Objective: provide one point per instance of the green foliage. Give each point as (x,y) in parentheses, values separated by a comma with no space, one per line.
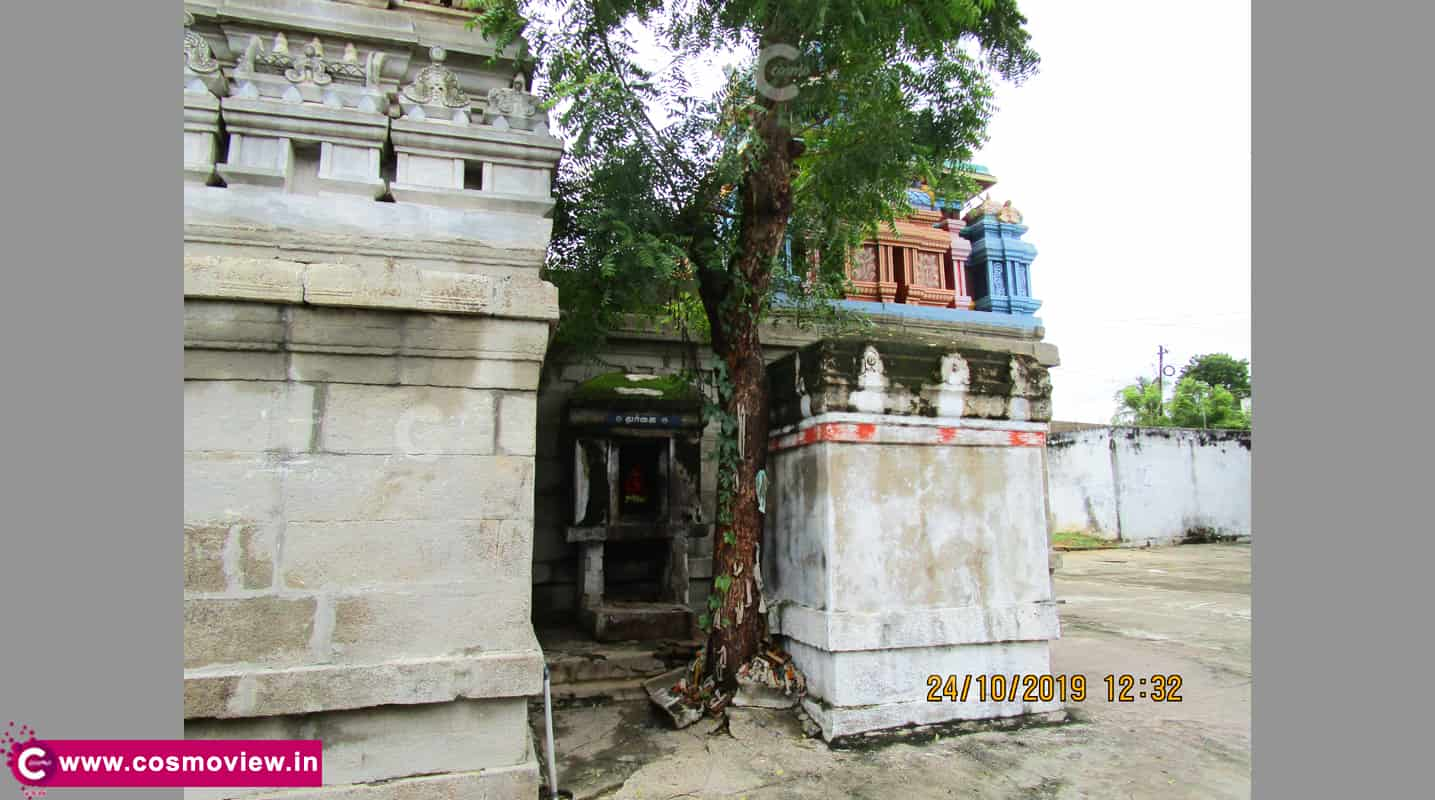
(881,93)
(1077,540)
(752,198)
(1219,369)
(1140,405)
(1193,404)
(1196,404)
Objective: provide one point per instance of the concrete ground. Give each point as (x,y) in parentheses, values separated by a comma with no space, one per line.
(1184,610)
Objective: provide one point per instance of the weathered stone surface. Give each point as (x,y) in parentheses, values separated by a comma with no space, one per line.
(354,331)
(336,488)
(234,278)
(517,420)
(247,692)
(248,416)
(334,368)
(918,627)
(481,373)
(465,239)
(407,420)
(452,336)
(224,324)
(407,553)
(390,742)
(377,626)
(237,365)
(660,691)
(268,630)
(877,677)
(1151,485)
(231,487)
(519,781)
(525,299)
(901,548)
(983,544)
(900,378)
(204,558)
(256,546)
(353,458)
(399,288)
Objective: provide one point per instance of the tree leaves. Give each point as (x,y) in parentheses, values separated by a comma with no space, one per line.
(888,93)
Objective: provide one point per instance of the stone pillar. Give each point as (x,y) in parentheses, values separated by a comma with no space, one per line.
(203,83)
(960,253)
(590,573)
(999,271)
(906,527)
(360,400)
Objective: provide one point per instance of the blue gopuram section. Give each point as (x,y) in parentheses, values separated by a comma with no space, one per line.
(999,270)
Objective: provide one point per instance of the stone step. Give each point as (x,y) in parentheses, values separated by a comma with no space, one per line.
(604,663)
(609,690)
(617,622)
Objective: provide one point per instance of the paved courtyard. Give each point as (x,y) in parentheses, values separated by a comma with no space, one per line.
(1176,610)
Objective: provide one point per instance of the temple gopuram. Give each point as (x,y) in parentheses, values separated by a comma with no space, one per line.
(940,257)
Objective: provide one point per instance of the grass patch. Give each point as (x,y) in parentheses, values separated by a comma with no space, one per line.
(1076,540)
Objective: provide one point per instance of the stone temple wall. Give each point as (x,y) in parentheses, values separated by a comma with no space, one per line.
(366,204)
(906,528)
(1143,486)
(646,349)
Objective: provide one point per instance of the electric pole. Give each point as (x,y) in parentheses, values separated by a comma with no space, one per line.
(1161,374)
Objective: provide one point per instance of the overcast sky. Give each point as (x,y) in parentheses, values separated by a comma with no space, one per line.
(1129,155)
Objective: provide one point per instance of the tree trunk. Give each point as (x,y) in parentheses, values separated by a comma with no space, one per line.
(734,303)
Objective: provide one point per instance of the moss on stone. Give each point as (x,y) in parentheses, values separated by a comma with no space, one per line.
(611,386)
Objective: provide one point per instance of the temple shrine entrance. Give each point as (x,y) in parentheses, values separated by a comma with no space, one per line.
(636,443)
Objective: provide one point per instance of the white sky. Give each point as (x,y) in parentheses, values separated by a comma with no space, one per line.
(1129,155)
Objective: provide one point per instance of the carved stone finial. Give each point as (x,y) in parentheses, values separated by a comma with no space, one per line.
(197,54)
(872,369)
(436,84)
(311,68)
(955,372)
(1004,212)
(1028,380)
(513,101)
(373,69)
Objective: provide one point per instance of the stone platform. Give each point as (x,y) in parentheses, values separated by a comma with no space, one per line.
(906,529)
(583,670)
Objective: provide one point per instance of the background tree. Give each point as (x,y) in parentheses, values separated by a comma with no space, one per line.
(664,195)
(1196,404)
(1193,404)
(1219,369)
(1140,404)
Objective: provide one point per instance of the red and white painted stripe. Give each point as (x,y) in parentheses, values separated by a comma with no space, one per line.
(980,433)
